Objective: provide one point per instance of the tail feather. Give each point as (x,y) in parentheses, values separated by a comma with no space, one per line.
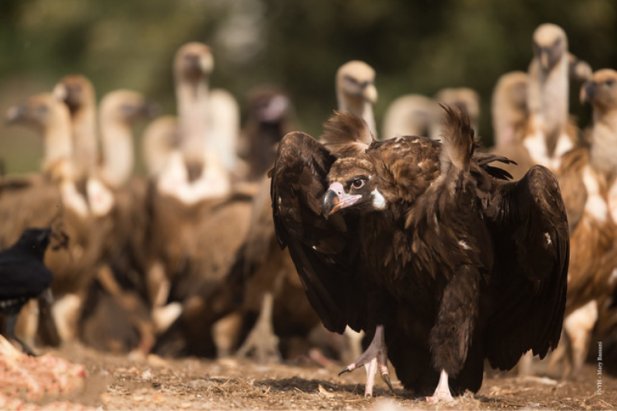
(458,139)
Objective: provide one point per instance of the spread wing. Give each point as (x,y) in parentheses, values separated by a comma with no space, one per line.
(321,249)
(529,226)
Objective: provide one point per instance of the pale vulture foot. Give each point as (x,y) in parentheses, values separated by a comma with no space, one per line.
(442,392)
(374,358)
(261,342)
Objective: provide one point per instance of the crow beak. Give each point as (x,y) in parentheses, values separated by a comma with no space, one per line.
(587,92)
(336,199)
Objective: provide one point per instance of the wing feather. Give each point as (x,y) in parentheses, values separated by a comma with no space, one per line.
(319,248)
(529,225)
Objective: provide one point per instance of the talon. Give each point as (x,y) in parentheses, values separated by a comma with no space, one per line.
(386,378)
(374,358)
(345,370)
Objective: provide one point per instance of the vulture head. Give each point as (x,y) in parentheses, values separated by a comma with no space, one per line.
(355,82)
(351,179)
(76,91)
(511,89)
(550,44)
(601,90)
(40,112)
(269,106)
(125,106)
(193,62)
(352,185)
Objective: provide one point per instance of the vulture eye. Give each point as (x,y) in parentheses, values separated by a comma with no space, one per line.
(358,183)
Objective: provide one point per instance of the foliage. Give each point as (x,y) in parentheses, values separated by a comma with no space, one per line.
(416,46)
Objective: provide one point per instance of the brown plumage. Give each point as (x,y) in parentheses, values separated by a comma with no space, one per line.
(428,250)
(587,178)
(190,198)
(116,300)
(56,194)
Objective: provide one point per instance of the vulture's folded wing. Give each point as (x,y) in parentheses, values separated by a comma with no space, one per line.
(529,226)
(321,249)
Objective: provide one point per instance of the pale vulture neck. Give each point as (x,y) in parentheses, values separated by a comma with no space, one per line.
(57,142)
(548,100)
(117,145)
(223,128)
(604,141)
(193,118)
(157,143)
(360,108)
(85,153)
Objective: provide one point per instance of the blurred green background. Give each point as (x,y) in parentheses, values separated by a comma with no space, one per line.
(416,46)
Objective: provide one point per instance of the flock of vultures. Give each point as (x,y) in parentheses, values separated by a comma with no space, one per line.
(413,247)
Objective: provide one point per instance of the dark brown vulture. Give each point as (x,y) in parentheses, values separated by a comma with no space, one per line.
(428,248)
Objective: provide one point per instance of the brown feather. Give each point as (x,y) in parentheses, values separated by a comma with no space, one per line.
(458,139)
(346,135)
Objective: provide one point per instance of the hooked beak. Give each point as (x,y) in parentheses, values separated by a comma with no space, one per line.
(587,92)
(370,93)
(336,199)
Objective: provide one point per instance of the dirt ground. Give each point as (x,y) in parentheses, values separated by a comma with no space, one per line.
(120,382)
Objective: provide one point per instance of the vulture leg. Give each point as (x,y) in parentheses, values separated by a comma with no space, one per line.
(374,358)
(9,329)
(442,392)
(262,339)
(353,343)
